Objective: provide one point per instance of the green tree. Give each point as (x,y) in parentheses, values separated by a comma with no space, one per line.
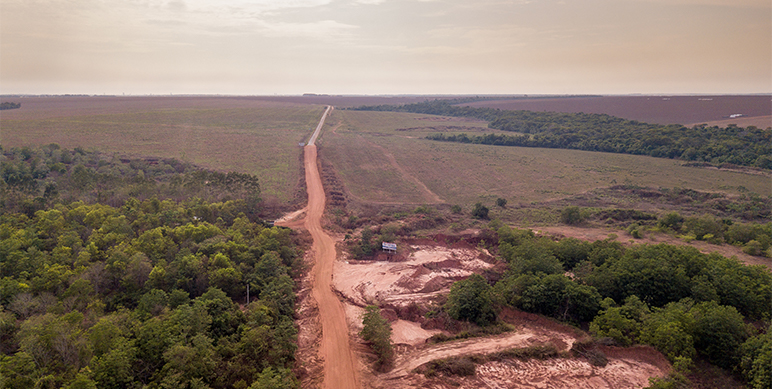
(719,332)
(571,215)
(470,300)
(480,211)
(377,331)
(271,378)
(756,362)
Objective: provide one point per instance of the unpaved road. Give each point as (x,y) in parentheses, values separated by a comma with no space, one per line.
(339,363)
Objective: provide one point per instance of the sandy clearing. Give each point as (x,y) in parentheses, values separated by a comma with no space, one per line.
(428,272)
(411,333)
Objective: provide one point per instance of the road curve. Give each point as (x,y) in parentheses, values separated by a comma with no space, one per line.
(339,362)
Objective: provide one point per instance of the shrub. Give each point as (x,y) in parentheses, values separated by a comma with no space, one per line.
(571,215)
(377,331)
(470,300)
(480,211)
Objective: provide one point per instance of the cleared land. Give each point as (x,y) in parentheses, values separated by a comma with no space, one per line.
(227,134)
(650,109)
(464,174)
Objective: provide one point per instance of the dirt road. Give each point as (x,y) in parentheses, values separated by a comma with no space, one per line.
(339,362)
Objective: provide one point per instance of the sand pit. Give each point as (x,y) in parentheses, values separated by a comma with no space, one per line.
(426,275)
(428,272)
(410,333)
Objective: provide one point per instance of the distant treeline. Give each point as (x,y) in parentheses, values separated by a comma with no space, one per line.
(749,146)
(8,105)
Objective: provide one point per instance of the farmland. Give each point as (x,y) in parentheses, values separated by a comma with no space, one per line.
(465,174)
(226,134)
(686,110)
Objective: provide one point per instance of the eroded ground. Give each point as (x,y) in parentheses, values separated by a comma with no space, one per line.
(425,276)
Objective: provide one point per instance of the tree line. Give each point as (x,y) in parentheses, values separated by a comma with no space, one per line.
(749,146)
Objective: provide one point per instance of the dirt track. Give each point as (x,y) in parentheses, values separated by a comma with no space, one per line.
(339,362)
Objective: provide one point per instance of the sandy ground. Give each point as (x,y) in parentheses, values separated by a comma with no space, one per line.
(426,275)
(428,272)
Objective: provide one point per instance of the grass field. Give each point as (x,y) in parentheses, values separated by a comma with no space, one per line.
(379,156)
(464,174)
(686,110)
(226,134)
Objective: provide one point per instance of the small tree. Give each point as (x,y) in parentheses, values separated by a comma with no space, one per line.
(377,331)
(501,202)
(470,300)
(571,215)
(480,211)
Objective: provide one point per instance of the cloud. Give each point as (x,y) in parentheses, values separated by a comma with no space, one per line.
(323,29)
(721,3)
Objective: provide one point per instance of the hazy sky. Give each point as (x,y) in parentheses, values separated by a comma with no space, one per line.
(385,46)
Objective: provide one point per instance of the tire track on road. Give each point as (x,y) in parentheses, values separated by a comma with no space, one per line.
(340,368)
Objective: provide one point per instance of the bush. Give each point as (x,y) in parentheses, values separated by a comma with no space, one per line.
(470,300)
(462,366)
(480,211)
(635,230)
(672,221)
(501,202)
(571,215)
(377,331)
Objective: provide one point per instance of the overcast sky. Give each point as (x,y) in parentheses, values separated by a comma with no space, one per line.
(385,46)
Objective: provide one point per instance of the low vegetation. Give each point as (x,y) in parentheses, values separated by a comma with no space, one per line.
(466,365)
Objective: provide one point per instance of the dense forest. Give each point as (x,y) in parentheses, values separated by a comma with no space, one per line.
(748,146)
(684,303)
(165,291)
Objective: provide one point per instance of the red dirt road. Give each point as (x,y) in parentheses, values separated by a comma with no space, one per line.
(339,362)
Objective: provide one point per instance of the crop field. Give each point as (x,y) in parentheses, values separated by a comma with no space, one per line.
(381,157)
(227,134)
(686,110)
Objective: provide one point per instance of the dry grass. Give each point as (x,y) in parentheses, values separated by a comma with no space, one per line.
(226,134)
(464,174)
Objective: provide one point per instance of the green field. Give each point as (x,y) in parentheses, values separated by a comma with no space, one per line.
(466,173)
(255,137)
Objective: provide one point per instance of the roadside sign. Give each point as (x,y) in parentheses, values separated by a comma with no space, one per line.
(389,247)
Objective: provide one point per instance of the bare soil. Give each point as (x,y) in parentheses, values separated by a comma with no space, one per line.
(423,278)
